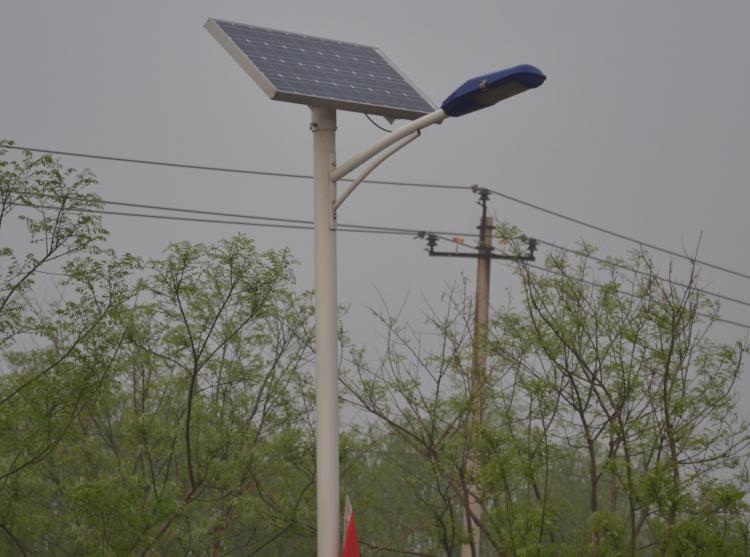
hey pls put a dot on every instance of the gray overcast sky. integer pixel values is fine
(642, 125)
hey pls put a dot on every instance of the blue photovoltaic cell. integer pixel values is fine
(325, 72)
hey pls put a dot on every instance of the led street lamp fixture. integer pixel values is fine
(486, 90)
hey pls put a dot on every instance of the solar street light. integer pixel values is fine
(330, 75)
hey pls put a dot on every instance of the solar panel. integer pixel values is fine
(320, 72)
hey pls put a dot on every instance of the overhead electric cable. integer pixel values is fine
(203, 212)
(223, 169)
(618, 235)
(630, 294)
(642, 273)
(388, 229)
(157, 163)
(392, 230)
(281, 222)
(388, 183)
(626, 268)
(176, 218)
(344, 228)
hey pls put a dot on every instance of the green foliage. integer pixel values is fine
(190, 431)
(53, 207)
(641, 392)
(44, 390)
(609, 531)
(158, 409)
(607, 414)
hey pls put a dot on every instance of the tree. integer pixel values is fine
(644, 394)
(611, 424)
(199, 439)
(44, 389)
(53, 206)
(166, 408)
(417, 392)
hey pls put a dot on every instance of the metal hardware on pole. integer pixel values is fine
(323, 126)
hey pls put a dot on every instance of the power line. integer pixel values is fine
(226, 169)
(389, 183)
(157, 163)
(630, 294)
(642, 273)
(284, 223)
(176, 218)
(203, 212)
(389, 230)
(343, 228)
(630, 269)
(618, 235)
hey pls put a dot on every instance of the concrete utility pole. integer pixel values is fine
(478, 371)
(484, 256)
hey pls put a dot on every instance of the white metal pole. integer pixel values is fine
(323, 126)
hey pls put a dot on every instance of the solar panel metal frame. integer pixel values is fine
(247, 64)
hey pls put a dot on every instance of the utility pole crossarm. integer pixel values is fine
(432, 241)
(484, 250)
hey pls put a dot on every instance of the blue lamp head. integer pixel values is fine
(486, 90)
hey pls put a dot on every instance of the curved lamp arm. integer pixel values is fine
(386, 141)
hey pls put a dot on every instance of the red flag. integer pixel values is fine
(351, 541)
